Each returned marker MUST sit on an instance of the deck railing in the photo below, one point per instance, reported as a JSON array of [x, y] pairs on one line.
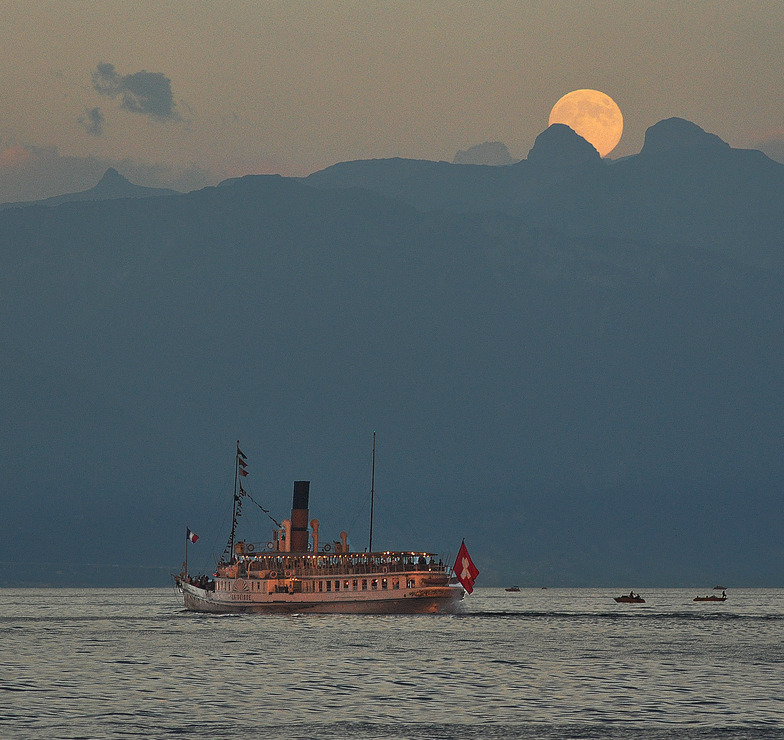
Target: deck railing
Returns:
[[334, 566]]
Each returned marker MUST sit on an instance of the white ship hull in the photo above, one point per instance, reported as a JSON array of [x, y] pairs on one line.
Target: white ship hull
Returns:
[[426, 600]]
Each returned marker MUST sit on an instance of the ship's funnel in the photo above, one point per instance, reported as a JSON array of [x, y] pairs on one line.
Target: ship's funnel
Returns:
[[299, 516]]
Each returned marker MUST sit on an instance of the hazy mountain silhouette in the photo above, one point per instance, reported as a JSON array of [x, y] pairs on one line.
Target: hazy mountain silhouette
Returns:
[[584, 405], [491, 153], [111, 185], [679, 135], [559, 146], [685, 186]]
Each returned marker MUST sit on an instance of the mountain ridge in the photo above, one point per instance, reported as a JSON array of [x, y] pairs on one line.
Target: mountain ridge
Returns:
[[111, 185], [684, 182], [584, 408]]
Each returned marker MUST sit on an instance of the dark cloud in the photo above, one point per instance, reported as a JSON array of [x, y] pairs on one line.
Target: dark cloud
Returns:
[[93, 121], [148, 93]]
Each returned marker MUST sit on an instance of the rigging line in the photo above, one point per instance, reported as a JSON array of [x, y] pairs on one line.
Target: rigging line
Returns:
[[360, 512], [358, 505], [266, 511], [218, 511]]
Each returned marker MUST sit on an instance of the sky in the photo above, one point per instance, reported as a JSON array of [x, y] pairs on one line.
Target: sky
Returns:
[[185, 94]]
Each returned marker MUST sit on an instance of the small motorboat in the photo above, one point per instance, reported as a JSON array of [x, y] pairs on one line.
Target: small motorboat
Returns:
[[723, 597], [631, 598], [513, 589]]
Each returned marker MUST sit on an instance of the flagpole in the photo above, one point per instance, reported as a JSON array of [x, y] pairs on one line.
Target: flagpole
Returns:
[[186, 551], [372, 490]]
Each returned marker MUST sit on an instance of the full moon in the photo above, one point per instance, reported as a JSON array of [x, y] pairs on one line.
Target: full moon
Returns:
[[593, 115]]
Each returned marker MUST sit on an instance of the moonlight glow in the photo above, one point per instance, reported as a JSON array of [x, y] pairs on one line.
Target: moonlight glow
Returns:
[[593, 115]]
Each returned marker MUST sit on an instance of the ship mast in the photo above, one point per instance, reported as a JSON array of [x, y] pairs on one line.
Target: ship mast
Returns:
[[372, 490], [234, 503]]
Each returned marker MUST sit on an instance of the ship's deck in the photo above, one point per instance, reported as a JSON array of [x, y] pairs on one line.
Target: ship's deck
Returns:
[[262, 565]]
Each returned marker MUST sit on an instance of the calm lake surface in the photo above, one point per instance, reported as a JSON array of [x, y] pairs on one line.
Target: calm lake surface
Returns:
[[557, 663]]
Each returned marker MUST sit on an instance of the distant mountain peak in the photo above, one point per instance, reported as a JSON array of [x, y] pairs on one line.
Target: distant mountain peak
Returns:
[[112, 181], [114, 185], [111, 175], [679, 134], [492, 153], [558, 145], [110, 187]]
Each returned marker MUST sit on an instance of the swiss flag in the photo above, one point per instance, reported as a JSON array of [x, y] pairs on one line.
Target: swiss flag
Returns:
[[192, 536], [464, 569]]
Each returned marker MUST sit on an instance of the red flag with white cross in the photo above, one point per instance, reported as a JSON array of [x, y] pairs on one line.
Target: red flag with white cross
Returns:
[[464, 569]]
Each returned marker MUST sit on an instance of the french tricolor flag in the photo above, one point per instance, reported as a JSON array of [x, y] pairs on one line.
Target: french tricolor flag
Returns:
[[192, 536]]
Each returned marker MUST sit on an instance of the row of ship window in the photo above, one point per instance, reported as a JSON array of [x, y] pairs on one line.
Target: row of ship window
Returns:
[[356, 584]]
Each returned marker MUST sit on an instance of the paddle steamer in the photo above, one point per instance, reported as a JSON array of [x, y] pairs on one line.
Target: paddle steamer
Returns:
[[295, 572]]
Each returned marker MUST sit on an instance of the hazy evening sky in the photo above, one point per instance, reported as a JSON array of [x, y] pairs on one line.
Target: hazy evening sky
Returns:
[[206, 90]]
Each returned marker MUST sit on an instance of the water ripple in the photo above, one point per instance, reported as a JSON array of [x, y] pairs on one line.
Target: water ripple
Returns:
[[557, 664]]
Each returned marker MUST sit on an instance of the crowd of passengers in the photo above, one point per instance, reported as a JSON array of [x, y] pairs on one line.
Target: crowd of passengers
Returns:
[[398, 564], [201, 581]]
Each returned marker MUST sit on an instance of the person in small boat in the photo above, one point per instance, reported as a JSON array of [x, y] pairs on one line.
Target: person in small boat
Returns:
[[723, 594]]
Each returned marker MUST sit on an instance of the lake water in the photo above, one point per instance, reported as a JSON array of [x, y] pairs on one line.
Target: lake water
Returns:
[[557, 663]]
